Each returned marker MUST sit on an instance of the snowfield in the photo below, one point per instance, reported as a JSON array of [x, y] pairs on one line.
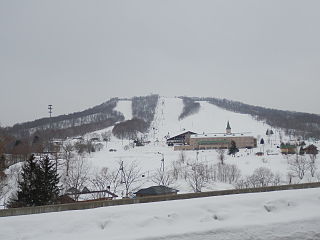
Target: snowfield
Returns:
[[291, 214]]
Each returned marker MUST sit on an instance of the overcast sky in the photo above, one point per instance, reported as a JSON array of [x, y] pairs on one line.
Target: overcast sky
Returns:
[[77, 54]]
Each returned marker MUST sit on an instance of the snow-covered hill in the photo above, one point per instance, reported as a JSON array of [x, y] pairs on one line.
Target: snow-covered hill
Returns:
[[209, 119], [291, 214], [155, 154]]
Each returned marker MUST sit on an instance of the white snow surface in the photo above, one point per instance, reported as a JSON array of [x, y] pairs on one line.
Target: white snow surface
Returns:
[[209, 119], [124, 106], [291, 214]]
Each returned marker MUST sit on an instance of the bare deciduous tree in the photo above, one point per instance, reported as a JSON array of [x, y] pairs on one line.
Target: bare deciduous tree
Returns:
[[221, 155], [234, 173], [196, 177], [276, 179], [105, 180], [3, 185], [106, 136], [312, 165], [67, 155], [176, 169], [262, 177], [298, 165], [78, 175], [182, 157], [131, 174], [164, 178]]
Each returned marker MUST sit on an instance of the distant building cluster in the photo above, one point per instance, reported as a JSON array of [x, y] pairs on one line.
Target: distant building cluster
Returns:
[[193, 141]]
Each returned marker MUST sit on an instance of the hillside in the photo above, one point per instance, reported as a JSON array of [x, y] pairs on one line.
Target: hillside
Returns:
[[109, 157]]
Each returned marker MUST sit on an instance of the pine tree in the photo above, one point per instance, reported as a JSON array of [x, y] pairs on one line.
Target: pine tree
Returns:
[[233, 148], [27, 194], [49, 190], [38, 185]]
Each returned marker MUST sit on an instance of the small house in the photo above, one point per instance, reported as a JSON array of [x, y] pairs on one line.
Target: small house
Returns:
[[311, 149], [288, 149], [156, 191]]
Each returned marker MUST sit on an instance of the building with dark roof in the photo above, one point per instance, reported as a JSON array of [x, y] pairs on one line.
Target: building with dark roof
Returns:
[[180, 139], [218, 140], [156, 191]]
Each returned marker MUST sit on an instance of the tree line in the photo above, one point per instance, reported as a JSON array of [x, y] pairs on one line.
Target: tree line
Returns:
[[189, 107], [294, 123], [87, 118], [144, 107]]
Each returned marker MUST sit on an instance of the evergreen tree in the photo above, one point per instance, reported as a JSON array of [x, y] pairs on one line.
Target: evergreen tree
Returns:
[[49, 190], [38, 184], [262, 141], [27, 194], [233, 148]]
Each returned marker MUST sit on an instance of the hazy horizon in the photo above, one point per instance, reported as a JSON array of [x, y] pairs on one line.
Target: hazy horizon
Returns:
[[76, 54]]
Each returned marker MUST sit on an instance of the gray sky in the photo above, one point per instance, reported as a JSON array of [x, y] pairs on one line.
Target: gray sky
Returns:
[[76, 54]]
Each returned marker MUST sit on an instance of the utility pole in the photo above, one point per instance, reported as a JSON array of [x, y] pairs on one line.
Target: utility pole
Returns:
[[197, 156], [50, 125], [50, 112], [162, 162], [50, 136]]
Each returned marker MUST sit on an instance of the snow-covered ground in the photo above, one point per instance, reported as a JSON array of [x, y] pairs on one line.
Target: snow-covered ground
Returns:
[[124, 106], [291, 214], [209, 119]]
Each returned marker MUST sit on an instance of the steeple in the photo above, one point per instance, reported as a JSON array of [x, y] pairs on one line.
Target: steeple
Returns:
[[228, 129]]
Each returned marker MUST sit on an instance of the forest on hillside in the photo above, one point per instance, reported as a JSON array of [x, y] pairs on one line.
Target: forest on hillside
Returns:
[[77, 123], [143, 111], [189, 107]]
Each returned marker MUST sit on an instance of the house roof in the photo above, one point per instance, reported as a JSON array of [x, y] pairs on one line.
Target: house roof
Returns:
[[287, 146], [156, 190], [181, 134], [219, 135], [311, 147], [74, 191]]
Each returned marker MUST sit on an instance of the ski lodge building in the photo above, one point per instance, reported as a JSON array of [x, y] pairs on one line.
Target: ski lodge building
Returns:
[[215, 140]]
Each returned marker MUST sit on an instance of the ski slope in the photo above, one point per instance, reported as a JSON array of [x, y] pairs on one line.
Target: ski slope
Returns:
[[291, 214], [124, 106], [209, 119]]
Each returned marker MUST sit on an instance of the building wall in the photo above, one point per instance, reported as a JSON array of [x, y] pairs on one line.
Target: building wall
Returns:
[[218, 142]]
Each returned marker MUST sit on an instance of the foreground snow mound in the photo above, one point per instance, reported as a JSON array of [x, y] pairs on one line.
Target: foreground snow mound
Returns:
[[292, 214]]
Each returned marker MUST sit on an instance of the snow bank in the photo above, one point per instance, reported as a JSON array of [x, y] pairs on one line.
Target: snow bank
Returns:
[[292, 213]]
